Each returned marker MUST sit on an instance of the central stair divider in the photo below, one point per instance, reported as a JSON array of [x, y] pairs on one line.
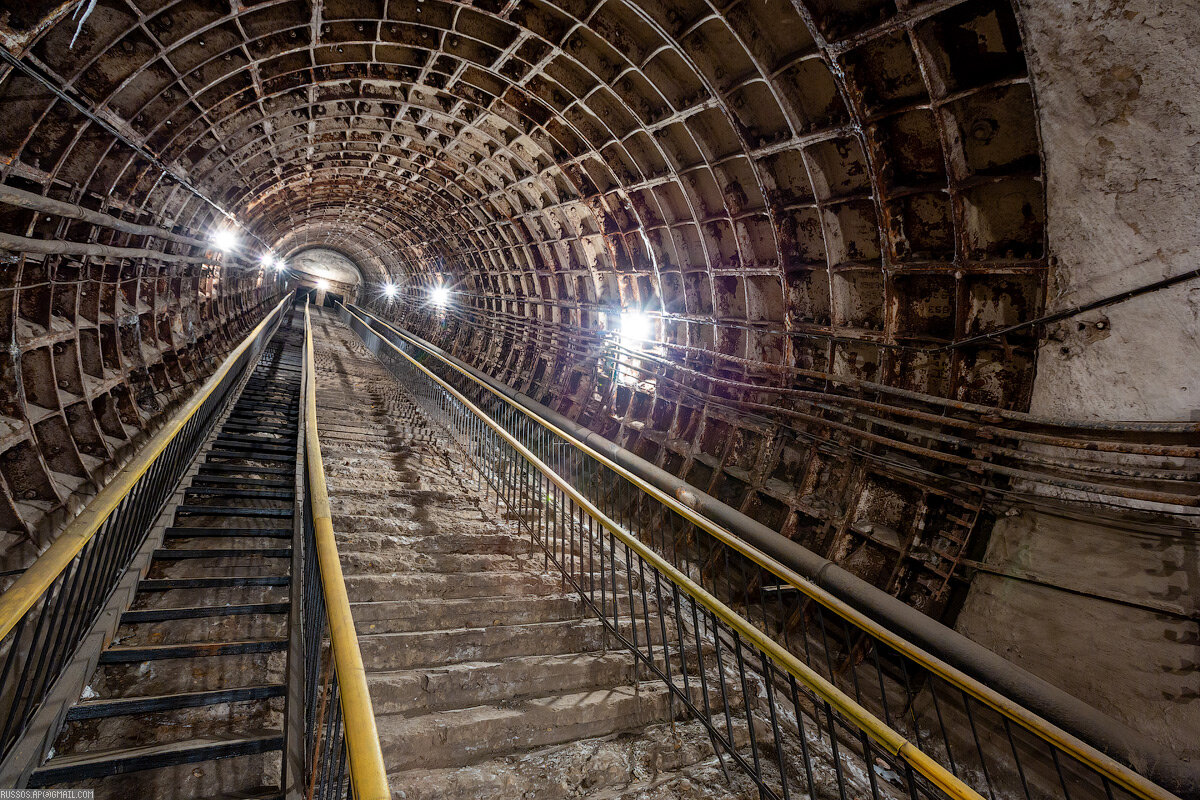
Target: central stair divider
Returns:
[[341, 741]]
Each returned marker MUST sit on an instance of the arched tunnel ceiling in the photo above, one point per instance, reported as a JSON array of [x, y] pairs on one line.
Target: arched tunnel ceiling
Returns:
[[840, 187], [834, 168]]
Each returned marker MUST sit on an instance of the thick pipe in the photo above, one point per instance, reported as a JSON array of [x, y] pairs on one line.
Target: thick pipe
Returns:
[[36, 202], [55, 247], [1068, 712]]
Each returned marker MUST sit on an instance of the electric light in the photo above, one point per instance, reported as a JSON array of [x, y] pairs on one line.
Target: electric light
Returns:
[[636, 329], [322, 285], [268, 260], [390, 290], [280, 266], [439, 295], [224, 239]]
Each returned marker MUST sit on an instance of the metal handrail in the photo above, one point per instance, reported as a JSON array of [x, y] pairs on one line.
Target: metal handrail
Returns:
[[1121, 775], [368, 775], [862, 718]]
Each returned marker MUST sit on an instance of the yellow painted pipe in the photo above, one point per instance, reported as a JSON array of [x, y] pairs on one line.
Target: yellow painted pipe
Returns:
[[860, 717], [33, 583], [368, 775], [1114, 771]]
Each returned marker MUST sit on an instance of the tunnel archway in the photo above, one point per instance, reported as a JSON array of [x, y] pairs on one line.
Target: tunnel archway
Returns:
[[326, 272]]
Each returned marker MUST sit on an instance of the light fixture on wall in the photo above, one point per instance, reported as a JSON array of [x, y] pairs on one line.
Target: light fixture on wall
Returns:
[[268, 260], [224, 239], [323, 285], [638, 332], [440, 296], [637, 328], [390, 291]]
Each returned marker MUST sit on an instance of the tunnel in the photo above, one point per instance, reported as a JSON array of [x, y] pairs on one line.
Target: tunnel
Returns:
[[880, 315]]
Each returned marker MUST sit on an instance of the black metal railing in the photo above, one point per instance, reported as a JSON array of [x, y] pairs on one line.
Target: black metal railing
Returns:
[[779, 729], [324, 728], [47, 612], [987, 742], [342, 755]]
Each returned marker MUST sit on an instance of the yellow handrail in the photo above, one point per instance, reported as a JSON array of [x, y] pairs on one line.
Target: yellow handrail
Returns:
[[368, 776], [863, 719], [1118, 773], [34, 582]]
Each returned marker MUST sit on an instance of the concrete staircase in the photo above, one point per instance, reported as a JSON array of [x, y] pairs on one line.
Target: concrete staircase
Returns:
[[487, 677]]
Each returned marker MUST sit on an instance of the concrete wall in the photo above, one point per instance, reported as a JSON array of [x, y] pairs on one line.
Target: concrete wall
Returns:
[[1105, 612], [1118, 92]]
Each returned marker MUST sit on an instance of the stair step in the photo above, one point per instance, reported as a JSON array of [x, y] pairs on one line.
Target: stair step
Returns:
[[255, 494], [406, 560], [276, 440], [363, 588], [260, 446], [224, 552], [401, 616], [394, 651], [256, 420], [167, 584], [82, 766], [125, 706], [466, 736], [199, 533], [422, 542], [262, 402], [472, 683], [258, 408], [233, 511], [200, 612], [127, 655], [228, 468], [605, 769], [210, 480], [233, 424], [215, 453]]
